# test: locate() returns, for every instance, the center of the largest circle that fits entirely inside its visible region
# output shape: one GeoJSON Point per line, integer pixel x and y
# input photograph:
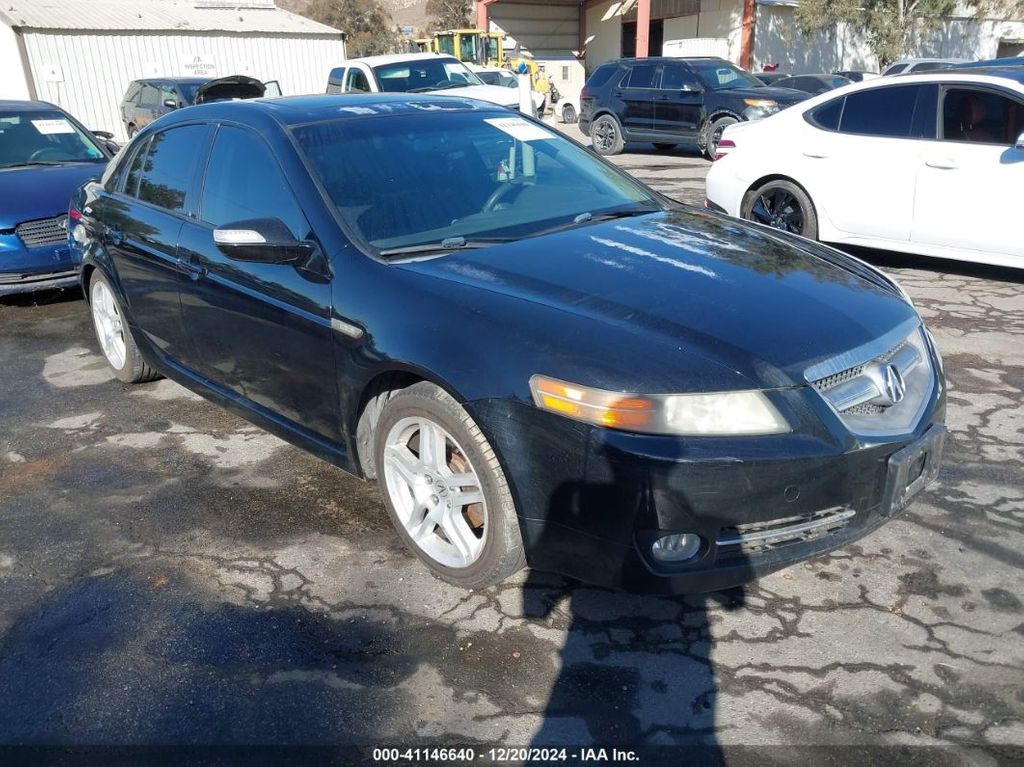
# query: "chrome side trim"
{"type": "Point", "coordinates": [861, 354]}
{"type": "Point", "coordinates": [806, 529]}
{"type": "Point", "coordinates": [346, 328]}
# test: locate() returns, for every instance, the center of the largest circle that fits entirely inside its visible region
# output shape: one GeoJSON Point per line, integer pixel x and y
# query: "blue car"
{"type": "Point", "coordinates": [45, 155]}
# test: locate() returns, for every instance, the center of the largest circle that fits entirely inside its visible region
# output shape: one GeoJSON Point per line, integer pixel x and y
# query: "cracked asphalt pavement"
{"type": "Point", "coordinates": [171, 574]}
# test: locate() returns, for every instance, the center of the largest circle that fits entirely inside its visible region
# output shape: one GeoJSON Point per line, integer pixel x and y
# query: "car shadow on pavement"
{"type": "Point", "coordinates": [634, 670]}
{"type": "Point", "coordinates": [41, 298]}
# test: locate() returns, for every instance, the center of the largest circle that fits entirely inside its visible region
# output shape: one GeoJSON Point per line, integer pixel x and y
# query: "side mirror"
{"type": "Point", "coordinates": [112, 146]}
{"type": "Point", "coordinates": [171, 103]}
{"type": "Point", "coordinates": [692, 89]}
{"type": "Point", "coordinates": [1020, 142]}
{"type": "Point", "coordinates": [261, 241]}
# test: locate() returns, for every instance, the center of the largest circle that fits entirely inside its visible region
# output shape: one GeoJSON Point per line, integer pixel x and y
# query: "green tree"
{"type": "Point", "coordinates": [449, 14]}
{"type": "Point", "coordinates": [369, 27]}
{"type": "Point", "coordinates": [894, 28]}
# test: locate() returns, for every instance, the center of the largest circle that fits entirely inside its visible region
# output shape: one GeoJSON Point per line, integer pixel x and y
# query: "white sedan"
{"type": "Point", "coordinates": [928, 164]}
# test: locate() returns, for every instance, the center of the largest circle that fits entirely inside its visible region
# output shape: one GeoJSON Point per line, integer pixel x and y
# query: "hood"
{"type": "Point", "coordinates": [782, 95]}
{"type": "Point", "coordinates": [495, 94]}
{"type": "Point", "coordinates": [227, 88]}
{"type": "Point", "coordinates": [765, 306]}
{"type": "Point", "coordinates": [41, 191]}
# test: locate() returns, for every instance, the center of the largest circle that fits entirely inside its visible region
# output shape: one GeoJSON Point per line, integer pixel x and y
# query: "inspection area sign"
{"type": "Point", "coordinates": [198, 66]}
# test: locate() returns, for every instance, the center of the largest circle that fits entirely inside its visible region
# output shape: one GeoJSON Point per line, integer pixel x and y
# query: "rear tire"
{"type": "Point", "coordinates": [606, 136]}
{"type": "Point", "coordinates": [113, 334]}
{"type": "Point", "coordinates": [444, 489]}
{"type": "Point", "coordinates": [782, 205]}
{"type": "Point", "coordinates": [712, 134]}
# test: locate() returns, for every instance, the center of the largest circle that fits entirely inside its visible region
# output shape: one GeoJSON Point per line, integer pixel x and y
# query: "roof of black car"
{"type": "Point", "coordinates": [296, 110]}
{"type": "Point", "coordinates": [173, 80]}
{"type": "Point", "coordinates": [663, 59]}
{"type": "Point", "coordinates": [28, 106]}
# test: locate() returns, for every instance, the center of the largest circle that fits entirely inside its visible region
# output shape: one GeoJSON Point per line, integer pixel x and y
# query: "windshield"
{"type": "Point", "coordinates": [424, 75]}
{"type": "Point", "coordinates": [721, 75]}
{"type": "Point", "coordinates": [43, 138]}
{"type": "Point", "coordinates": [421, 179]}
{"type": "Point", "coordinates": [188, 91]}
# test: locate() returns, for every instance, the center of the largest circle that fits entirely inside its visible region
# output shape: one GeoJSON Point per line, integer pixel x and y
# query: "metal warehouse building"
{"type": "Point", "coordinates": [82, 55]}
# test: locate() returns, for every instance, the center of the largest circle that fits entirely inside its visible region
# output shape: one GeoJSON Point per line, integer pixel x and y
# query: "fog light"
{"type": "Point", "coordinates": [676, 548]}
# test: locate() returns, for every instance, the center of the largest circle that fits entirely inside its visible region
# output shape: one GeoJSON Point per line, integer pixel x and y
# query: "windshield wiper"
{"type": "Point", "coordinates": [588, 218]}
{"type": "Point", "coordinates": [29, 163]}
{"type": "Point", "coordinates": [447, 245]}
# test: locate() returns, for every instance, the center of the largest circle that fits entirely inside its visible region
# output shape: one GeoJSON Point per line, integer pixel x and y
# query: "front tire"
{"type": "Point", "coordinates": [569, 115]}
{"type": "Point", "coordinates": [606, 136]}
{"type": "Point", "coordinates": [783, 205]}
{"type": "Point", "coordinates": [112, 333]}
{"type": "Point", "coordinates": [444, 489]}
{"type": "Point", "coordinates": [713, 134]}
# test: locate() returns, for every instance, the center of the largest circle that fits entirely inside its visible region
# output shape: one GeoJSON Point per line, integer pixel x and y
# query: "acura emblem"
{"type": "Point", "coordinates": [894, 387]}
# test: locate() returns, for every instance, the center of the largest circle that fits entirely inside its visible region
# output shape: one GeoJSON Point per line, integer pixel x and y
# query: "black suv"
{"type": "Point", "coordinates": [146, 100]}
{"type": "Point", "coordinates": [671, 101]}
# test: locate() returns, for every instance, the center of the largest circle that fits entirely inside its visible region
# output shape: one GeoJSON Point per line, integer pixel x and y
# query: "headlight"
{"type": "Point", "coordinates": [734, 413]}
{"type": "Point", "coordinates": [759, 108]}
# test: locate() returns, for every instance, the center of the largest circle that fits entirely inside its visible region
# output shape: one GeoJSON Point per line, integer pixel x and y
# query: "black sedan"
{"type": "Point", "coordinates": [540, 360]}
{"type": "Point", "coordinates": [813, 84]}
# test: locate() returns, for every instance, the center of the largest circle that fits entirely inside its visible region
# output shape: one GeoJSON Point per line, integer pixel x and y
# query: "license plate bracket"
{"type": "Point", "coordinates": [911, 469]}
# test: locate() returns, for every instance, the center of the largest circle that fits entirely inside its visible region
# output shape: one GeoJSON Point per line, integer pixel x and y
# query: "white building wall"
{"type": "Point", "coordinates": [87, 74]}
{"type": "Point", "coordinates": [13, 84]}
{"type": "Point", "coordinates": [778, 41]}
{"type": "Point", "coordinates": [604, 30]}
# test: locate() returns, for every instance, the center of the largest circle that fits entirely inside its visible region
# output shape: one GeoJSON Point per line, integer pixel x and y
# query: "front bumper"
{"type": "Point", "coordinates": [24, 270]}
{"type": "Point", "coordinates": [592, 501]}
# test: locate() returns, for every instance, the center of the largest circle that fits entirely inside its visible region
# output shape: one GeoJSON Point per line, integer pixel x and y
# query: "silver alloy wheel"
{"type": "Point", "coordinates": [109, 328]}
{"type": "Point", "coordinates": [435, 491]}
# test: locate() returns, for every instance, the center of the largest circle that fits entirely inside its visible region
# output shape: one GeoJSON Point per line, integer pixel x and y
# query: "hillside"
{"type": "Point", "coordinates": [406, 13]}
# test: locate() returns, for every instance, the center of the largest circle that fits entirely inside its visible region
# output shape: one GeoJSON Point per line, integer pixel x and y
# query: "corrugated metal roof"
{"type": "Point", "coordinates": [154, 16]}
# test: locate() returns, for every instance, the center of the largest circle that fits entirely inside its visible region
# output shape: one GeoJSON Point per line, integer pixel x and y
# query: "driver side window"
{"type": "Point", "coordinates": [981, 117]}
{"type": "Point", "coordinates": [244, 181]}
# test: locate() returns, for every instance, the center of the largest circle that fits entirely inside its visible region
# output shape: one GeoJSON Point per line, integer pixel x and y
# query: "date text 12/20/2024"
{"type": "Point", "coordinates": [503, 754]}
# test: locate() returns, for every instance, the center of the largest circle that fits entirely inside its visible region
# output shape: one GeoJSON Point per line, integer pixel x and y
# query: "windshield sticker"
{"type": "Point", "coordinates": [50, 127]}
{"type": "Point", "coordinates": [520, 129]}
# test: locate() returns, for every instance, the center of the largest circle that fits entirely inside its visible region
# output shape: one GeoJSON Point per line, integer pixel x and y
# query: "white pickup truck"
{"type": "Point", "coordinates": [416, 73]}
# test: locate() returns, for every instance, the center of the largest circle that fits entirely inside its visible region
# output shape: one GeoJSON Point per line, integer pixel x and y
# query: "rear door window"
{"type": "Point", "coordinates": [641, 76]}
{"type": "Point", "coordinates": [169, 168]}
{"type": "Point", "coordinates": [150, 95]}
{"type": "Point", "coordinates": [981, 116]}
{"type": "Point", "coordinates": [887, 111]}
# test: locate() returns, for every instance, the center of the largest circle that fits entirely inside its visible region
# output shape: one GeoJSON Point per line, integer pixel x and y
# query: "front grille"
{"type": "Point", "coordinates": [43, 231]}
{"type": "Point", "coordinates": [755, 537]}
{"type": "Point", "coordinates": [880, 388]}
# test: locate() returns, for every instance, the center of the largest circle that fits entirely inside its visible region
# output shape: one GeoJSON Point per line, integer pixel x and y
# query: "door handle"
{"type": "Point", "coordinates": [942, 163]}
{"type": "Point", "coordinates": [816, 154]}
{"type": "Point", "coordinates": [113, 235]}
{"type": "Point", "coordinates": [662, 98]}
{"type": "Point", "coordinates": [192, 268]}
